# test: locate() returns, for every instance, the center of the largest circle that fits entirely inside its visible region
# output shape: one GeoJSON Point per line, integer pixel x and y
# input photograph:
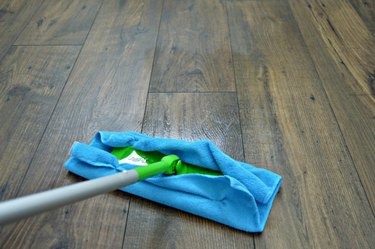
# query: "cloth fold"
{"type": "Point", "coordinates": [241, 198]}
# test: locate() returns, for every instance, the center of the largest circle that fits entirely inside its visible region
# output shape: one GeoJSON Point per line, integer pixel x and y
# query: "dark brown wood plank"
{"type": "Point", "coordinates": [366, 10]}
{"type": "Point", "coordinates": [193, 53]}
{"type": "Point", "coordinates": [14, 16]}
{"type": "Point", "coordinates": [31, 80]}
{"type": "Point", "coordinates": [354, 108]}
{"type": "Point", "coordinates": [188, 116]}
{"type": "Point", "coordinates": [106, 91]}
{"type": "Point", "coordinates": [289, 127]}
{"type": "Point", "coordinates": [347, 37]}
{"type": "Point", "coordinates": [60, 22]}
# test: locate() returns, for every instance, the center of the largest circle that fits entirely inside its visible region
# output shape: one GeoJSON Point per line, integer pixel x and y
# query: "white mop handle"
{"type": "Point", "coordinates": [23, 207]}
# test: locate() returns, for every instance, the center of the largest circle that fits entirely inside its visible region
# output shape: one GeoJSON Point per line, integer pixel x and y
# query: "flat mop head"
{"type": "Point", "coordinates": [203, 180]}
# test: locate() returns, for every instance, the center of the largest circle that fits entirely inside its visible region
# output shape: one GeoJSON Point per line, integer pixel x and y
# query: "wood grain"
{"type": "Point", "coordinates": [354, 108]}
{"type": "Point", "coordinates": [284, 85]}
{"type": "Point", "coordinates": [347, 37]}
{"type": "Point", "coordinates": [187, 116]}
{"type": "Point", "coordinates": [106, 91]}
{"type": "Point", "coordinates": [60, 22]}
{"type": "Point", "coordinates": [193, 53]}
{"type": "Point", "coordinates": [31, 80]}
{"type": "Point", "coordinates": [289, 127]}
{"type": "Point", "coordinates": [14, 16]}
{"type": "Point", "coordinates": [366, 10]}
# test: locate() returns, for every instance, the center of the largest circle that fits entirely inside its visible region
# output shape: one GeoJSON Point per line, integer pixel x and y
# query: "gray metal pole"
{"type": "Point", "coordinates": [23, 207]}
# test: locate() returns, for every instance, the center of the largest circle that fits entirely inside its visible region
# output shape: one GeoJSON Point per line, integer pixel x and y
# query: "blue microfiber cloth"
{"type": "Point", "coordinates": [241, 198]}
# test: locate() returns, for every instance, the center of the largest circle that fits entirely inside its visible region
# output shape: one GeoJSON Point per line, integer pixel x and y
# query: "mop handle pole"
{"type": "Point", "coordinates": [26, 206]}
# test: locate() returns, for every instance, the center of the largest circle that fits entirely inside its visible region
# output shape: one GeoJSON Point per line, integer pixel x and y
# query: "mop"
{"type": "Point", "coordinates": [195, 177]}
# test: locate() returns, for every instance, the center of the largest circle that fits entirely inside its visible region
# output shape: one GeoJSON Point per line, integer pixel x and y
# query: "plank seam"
{"type": "Point", "coordinates": [54, 108]}
{"type": "Point", "coordinates": [153, 66]}
{"type": "Point", "coordinates": [235, 83]}
{"type": "Point", "coordinates": [23, 29]}
{"type": "Point", "coordinates": [46, 45]}
{"type": "Point", "coordinates": [173, 92]}
{"type": "Point", "coordinates": [237, 99]}
{"type": "Point", "coordinates": [144, 112]}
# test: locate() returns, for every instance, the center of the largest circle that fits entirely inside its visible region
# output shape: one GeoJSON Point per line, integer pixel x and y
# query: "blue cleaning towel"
{"type": "Point", "coordinates": [241, 198]}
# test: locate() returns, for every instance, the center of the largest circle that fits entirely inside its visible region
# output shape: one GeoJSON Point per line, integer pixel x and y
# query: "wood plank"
{"type": "Point", "coordinates": [348, 38]}
{"type": "Point", "coordinates": [14, 16]}
{"type": "Point", "coordinates": [366, 10]}
{"type": "Point", "coordinates": [188, 116]}
{"type": "Point", "coordinates": [31, 81]}
{"type": "Point", "coordinates": [288, 127]}
{"type": "Point", "coordinates": [354, 108]}
{"type": "Point", "coordinates": [106, 91]}
{"type": "Point", "coordinates": [193, 53]}
{"type": "Point", "coordinates": [60, 22]}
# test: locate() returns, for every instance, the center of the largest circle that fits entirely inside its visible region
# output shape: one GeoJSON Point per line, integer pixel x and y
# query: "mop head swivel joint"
{"type": "Point", "coordinates": [171, 164]}
{"type": "Point", "coordinates": [167, 164]}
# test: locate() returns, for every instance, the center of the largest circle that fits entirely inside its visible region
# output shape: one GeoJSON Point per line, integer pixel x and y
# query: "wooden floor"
{"type": "Point", "coordinates": [284, 85]}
